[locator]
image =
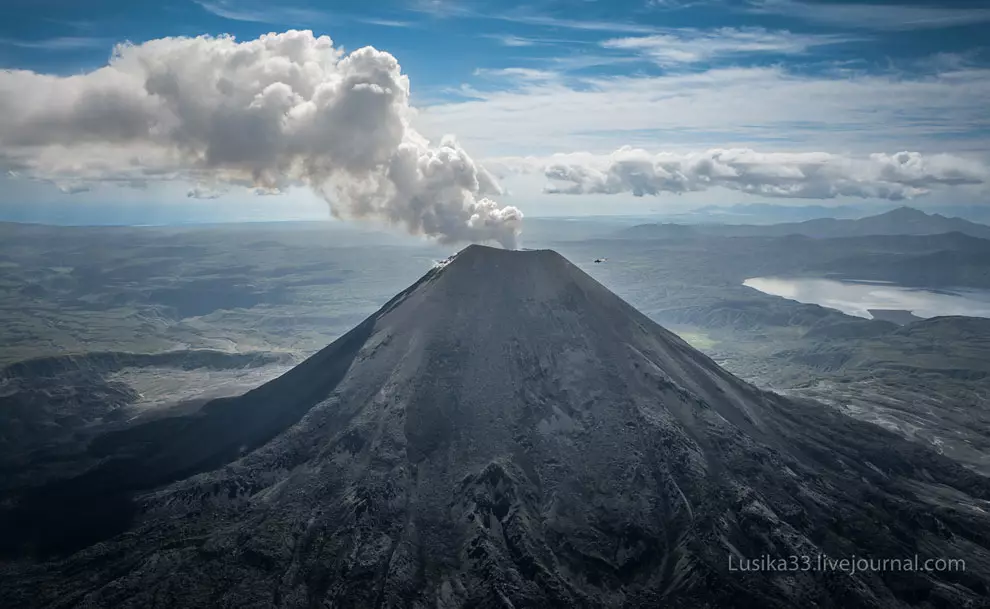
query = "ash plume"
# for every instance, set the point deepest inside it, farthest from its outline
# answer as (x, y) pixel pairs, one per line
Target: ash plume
(283, 110)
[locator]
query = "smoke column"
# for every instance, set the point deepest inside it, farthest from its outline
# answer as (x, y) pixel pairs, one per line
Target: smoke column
(286, 109)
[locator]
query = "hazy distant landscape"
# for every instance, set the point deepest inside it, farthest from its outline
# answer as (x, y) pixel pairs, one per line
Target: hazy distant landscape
(226, 308)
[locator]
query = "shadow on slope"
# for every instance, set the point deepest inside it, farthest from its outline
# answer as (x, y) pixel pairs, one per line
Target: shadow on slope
(66, 515)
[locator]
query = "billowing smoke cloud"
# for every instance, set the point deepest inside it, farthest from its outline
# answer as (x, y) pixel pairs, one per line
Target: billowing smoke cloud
(283, 110)
(806, 175)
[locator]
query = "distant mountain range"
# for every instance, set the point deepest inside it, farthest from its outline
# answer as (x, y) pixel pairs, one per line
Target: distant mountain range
(774, 213)
(900, 221)
(767, 213)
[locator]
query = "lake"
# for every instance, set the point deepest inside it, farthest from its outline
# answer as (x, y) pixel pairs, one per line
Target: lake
(858, 297)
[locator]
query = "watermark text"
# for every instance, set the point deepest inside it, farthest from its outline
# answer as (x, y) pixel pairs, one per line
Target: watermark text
(851, 565)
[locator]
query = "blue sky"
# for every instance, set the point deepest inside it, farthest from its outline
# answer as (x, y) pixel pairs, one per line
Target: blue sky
(515, 80)
(442, 43)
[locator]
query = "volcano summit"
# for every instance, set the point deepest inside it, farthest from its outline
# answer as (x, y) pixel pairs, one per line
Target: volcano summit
(504, 433)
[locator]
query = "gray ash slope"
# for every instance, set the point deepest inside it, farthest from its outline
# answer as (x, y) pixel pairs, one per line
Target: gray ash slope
(504, 433)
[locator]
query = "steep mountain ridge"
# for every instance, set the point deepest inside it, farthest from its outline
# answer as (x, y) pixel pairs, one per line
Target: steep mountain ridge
(508, 433)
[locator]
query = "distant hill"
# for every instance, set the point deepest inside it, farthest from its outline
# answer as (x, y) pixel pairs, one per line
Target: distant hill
(900, 221)
(949, 328)
(948, 260)
(767, 213)
(663, 231)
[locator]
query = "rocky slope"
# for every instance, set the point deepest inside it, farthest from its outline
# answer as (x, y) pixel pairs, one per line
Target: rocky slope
(504, 433)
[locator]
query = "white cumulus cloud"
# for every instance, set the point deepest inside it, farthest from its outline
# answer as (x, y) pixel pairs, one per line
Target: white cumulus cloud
(804, 175)
(282, 110)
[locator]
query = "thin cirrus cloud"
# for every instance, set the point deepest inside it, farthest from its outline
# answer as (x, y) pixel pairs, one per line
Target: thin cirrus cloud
(722, 107)
(285, 15)
(802, 175)
(590, 25)
(890, 17)
(443, 9)
(513, 40)
(518, 74)
(64, 43)
(386, 22)
(689, 45)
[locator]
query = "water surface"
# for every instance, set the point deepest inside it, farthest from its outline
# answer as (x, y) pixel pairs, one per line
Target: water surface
(858, 297)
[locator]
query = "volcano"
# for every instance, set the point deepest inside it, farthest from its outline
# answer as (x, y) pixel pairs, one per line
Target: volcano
(504, 433)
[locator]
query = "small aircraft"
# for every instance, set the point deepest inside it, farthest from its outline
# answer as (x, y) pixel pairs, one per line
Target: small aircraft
(600, 260)
(444, 262)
